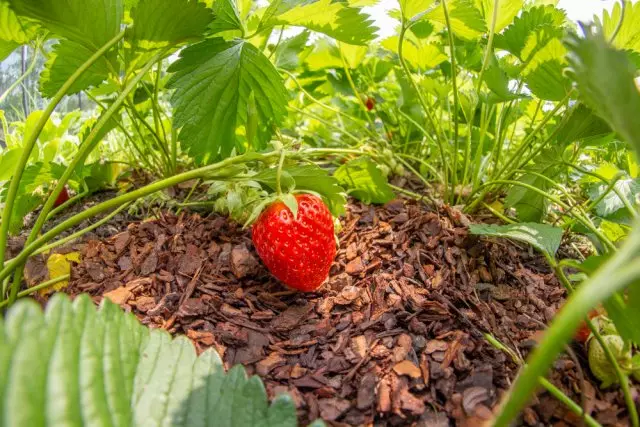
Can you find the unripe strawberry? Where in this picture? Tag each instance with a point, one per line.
(598, 363)
(297, 251)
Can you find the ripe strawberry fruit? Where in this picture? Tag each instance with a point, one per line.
(370, 103)
(583, 332)
(62, 197)
(298, 252)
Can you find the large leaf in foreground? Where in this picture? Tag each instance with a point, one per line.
(364, 181)
(158, 23)
(75, 365)
(335, 19)
(213, 82)
(88, 22)
(605, 78)
(543, 237)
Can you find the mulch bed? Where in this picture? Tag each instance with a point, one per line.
(395, 337)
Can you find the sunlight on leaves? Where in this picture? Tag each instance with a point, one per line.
(343, 23)
(424, 56)
(466, 19)
(628, 36)
(159, 23)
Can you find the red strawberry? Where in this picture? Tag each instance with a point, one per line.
(583, 332)
(370, 103)
(62, 197)
(298, 252)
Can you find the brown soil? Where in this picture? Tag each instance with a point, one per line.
(394, 337)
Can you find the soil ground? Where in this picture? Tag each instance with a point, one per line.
(394, 337)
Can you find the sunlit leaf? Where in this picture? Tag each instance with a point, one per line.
(90, 23)
(547, 19)
(158, 23)
(530, 206)
(628, 36)
(335, 19)
(466, 19)
(411, 8)
(325, 54)
(543, 237)
(353, 54)
(546, 80)
(288, 52)
(507, 10)
(227, 17)
(65, 58)
(11, 29)
(213, 80)
(364, 181)
(424, 56)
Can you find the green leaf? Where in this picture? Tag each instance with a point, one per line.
(364, 181)
(8, 161)
(287, 55)
(629, 188)
(422, 55)
(628, 36)
(227, 17)
(335, 19)
(6, 48)
(76, 365)
(310, 178)
(213, 81)
(543, 237)
(547, 81)
(159, 23)
(605, 79)
(466, 20)
(64, 60)
(11, 29)
(507, 10)
(530, 206)
(583, 124)
(546, 19)
(90, 23)
(411, 8)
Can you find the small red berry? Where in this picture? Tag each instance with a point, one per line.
(583, 332)
(298, 252)
(62, 197)
(370, 103)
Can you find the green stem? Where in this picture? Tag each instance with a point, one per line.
(279, 172)
(623, 3)
(326, 123)
(454, 83)
(552, 389)
(620, 271)
(328, 107)
(32, 137)
(425, 107)
(81, 232)
(359, 100)
(65, 205)
(85, 149)
(488, 50)
(41, 286)
(126, 198)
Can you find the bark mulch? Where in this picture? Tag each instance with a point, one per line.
(395, 337)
